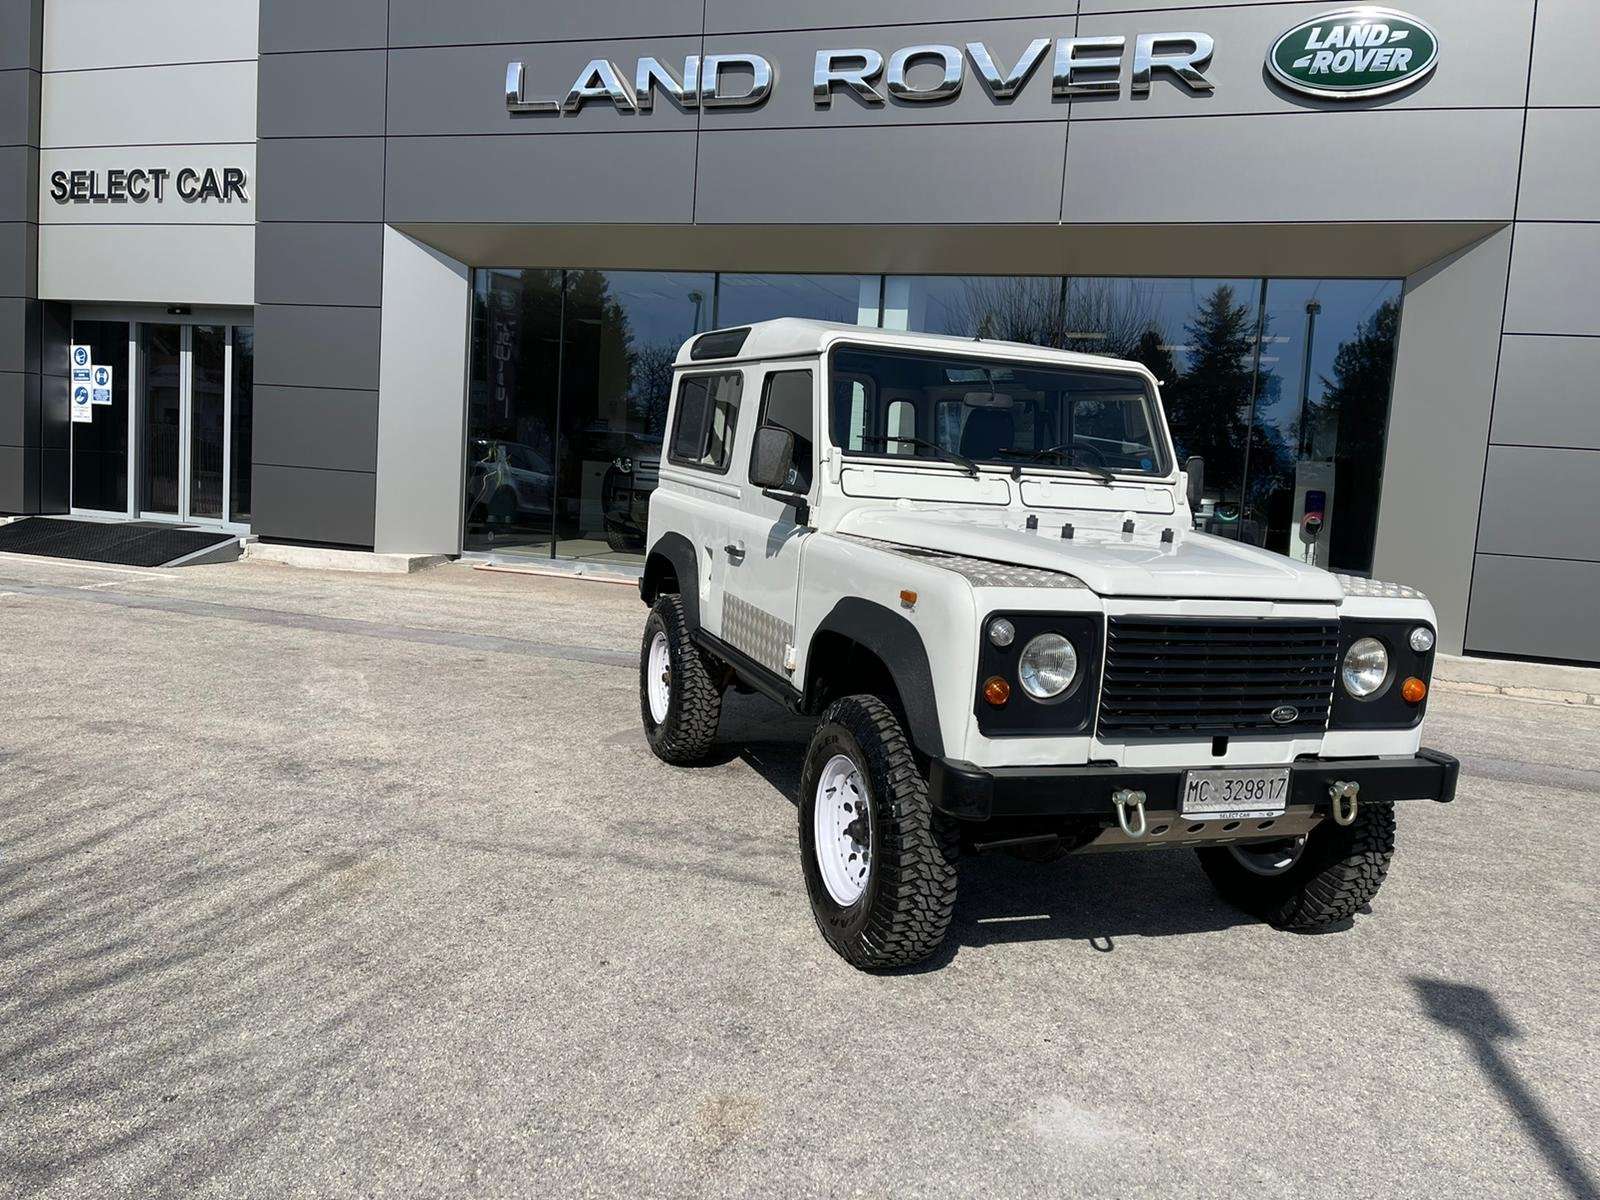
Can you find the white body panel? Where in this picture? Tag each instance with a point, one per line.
(870, 518)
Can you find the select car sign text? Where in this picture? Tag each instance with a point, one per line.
(193, 185)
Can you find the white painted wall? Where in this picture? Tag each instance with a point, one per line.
(153, 85)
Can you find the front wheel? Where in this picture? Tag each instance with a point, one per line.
(1305, 883)
(678, 698)
(879, 862)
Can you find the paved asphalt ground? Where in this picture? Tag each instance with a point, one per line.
(321, 885)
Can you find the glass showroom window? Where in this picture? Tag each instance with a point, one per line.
(848, 299)
(1006, 308)
(621, 333)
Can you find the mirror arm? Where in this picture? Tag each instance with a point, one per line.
(801, 505)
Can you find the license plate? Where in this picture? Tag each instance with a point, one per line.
(1228, 795)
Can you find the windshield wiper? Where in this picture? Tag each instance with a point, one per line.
(1067, 453)
(949, 456)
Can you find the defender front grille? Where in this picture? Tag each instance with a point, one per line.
(1181, 676)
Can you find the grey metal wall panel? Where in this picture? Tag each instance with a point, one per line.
(1561, 166)
(1563, 53)
(21, 33)
(14, 330)
(318, 25)
(1541, 502)
(91, 34)
(1366, 166)
(19, 479)
(1555, 280)
(1537, 607)
(308, 505)
(19, 264)
(151, 106)
(463, 22)
(1485, 65)
(320, 179)
(19, 107)
(148, 264)
(340, 264)
(327, 428)
(19, 183)
(897, 175)
(1443, 391)
(19, 409)
(1548, 393)
(743, 16)
(600, 177)
(323, 95)
(316, 347)
(793, 54)
(456, 89)
(427, 309)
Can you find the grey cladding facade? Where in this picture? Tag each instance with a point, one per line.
(383, 129)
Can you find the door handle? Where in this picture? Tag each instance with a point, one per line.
(735, 553)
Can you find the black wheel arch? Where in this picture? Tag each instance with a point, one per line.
(863, 646)
(671, 566)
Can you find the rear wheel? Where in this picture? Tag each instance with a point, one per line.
(879, 862)
(1305, 883)
(679, 700)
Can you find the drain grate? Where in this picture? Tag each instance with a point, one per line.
(128, 544)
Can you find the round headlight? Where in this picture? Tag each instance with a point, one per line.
(1002, 632)
(1366, 666)
(1048, 666)
(1422, 639)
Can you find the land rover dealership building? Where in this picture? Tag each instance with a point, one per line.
(409, 276)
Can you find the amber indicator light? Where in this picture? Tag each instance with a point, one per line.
(996, 691)
(1413, 690)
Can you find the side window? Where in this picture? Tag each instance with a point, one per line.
(702, 431)
(786, 402)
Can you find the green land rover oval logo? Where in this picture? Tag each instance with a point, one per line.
(1354, 52)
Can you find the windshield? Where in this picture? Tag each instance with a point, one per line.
(940, 407)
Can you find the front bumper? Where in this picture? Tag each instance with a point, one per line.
(979, 794)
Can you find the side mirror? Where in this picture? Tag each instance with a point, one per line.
(773, 455)
(1195, 469)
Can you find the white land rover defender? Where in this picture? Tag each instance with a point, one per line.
(976, 562)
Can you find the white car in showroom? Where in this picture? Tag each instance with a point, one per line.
(975, 563)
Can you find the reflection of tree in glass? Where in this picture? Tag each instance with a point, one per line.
(1114, 317)
(650, 384)
(1209, 404)
(1013, 309)
(1353, 415)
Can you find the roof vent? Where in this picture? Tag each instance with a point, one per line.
(723, 343)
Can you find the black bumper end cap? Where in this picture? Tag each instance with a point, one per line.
(959, 789)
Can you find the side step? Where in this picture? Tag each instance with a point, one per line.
(124, 543)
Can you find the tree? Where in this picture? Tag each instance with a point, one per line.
(1209, 406)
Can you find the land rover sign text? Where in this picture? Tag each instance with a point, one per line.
(1354, 53)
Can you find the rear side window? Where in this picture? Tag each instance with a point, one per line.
(787, 403)
(702, 431)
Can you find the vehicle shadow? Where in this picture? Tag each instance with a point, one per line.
(1095, 898)
(1475, 1015)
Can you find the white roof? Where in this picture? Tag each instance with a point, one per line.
(790, 337)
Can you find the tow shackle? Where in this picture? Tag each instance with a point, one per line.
(1126, 801)
(1344, 794)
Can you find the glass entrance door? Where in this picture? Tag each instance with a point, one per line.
(161, 388)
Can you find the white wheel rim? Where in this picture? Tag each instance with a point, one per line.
(842, 827)
(658, 678)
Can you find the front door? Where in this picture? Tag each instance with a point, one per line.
(192, 410)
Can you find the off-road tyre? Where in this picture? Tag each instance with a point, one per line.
(903, 914)
(621, 540)
(1339, 871)
(689, 728)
